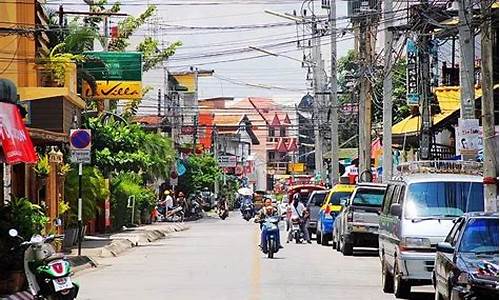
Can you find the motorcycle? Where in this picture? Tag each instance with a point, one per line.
(271, 235)
(296, 232)
(48, 274)
(195, 212)
(207, 201)
(247, 211)
(222, 209)
(175, 215)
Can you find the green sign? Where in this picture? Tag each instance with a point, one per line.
(117, 66)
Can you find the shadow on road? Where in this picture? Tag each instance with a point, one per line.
(422, 296)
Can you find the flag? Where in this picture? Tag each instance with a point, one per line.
(15, 139)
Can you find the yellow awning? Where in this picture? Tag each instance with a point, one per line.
(449, 102)
(40, 93)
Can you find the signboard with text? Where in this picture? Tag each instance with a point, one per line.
(227, 161)
(80, 143)
(468, 138)
(412, 96)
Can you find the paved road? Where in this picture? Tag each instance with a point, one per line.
(220, 260)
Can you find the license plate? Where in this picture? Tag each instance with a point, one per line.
(295, 227)
(361, 228)
(61, 284)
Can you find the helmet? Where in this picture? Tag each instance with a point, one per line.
(205, 189)
(167, 192)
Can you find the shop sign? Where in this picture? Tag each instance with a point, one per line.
(15, 139)
(114, 90)
(412, 96)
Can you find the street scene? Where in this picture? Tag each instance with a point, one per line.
(258, 149)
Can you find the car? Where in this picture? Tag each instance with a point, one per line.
(466, 265)
(357, 224)
(329, 210)
(420, 204)
(314, 204)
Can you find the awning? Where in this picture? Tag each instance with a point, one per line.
(40, 93)
(449, 102)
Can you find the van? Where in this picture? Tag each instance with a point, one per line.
(418, 210)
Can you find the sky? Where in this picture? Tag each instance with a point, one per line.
(231, 78)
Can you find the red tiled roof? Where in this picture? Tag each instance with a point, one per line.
(292, 145)
(148, 119)
(287, 120)
(228, 120)
(276, 120)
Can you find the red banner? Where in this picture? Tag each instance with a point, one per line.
(16, 142)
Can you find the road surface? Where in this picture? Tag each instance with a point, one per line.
(220, 260)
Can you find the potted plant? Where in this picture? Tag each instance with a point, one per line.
(42, 169)
(28, 219)
(56, 62)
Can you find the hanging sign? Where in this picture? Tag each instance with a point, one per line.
(412, 96)
(15, 139)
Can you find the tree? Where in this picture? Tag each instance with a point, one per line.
(201, 171)
(118, 147)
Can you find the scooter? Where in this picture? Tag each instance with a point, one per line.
(296, 232)
(222, 210)
(247, 211)
(271, 234)
(175, 215)
(48, 274)
(195, 212)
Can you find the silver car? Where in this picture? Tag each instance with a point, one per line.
(357, 224)
(314, 203)
(418, 210)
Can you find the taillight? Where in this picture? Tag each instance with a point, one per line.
(350, 216)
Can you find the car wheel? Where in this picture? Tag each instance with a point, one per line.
(324, 240)
(402, 288)
(347, 249)
(387, 279)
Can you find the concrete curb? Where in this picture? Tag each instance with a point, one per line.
(123, 241)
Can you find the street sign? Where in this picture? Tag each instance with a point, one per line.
(468, 138)
(296, 167)
(412, 96)
(227, 161)
(80, 141)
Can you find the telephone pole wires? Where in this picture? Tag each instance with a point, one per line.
(387, 92)
(490, 172)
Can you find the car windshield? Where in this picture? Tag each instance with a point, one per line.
(339, 196)
(443, 199)
(368, 197)
(480, 236)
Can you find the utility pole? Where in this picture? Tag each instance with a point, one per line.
(195, 132)
(424, 82)
(366, 55)
(490, 171)
(466, 40)
(215, 147)
(334, 121)
(318, 97)
(387, 92)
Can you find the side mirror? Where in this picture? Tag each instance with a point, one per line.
(445, 248)
(396, 210)
(343, 202)
(13, 232)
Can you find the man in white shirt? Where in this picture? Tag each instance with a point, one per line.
(169, 201)
(297, 209)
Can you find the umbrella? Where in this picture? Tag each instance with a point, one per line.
(245, 192)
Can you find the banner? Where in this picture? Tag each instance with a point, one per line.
(16, 142)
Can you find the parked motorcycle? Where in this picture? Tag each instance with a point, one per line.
(248, 211)
(175, 215)
(271, 235)
(48, 274)
(222, 209)
(296, 232)
(195, 211)
(207, 200)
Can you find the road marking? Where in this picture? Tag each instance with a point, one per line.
(255, 282)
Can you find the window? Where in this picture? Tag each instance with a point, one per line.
(271, 155)
(387, 198)
(368, 197)
(339, 196)
(318, 199)
(271, 131)
(282, 131)
(396, 195)
(480, 236)
(402, 194)
(443, 199)
(453, 231)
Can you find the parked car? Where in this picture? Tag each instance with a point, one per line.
(314, 204)
(466, 264)
(329, 210)
(357, 224)
(418, 210)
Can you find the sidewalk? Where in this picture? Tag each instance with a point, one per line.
(103, 246)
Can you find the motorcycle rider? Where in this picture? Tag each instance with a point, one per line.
(182, 202)
(267, 211)
(169, 202)
(298, 210)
